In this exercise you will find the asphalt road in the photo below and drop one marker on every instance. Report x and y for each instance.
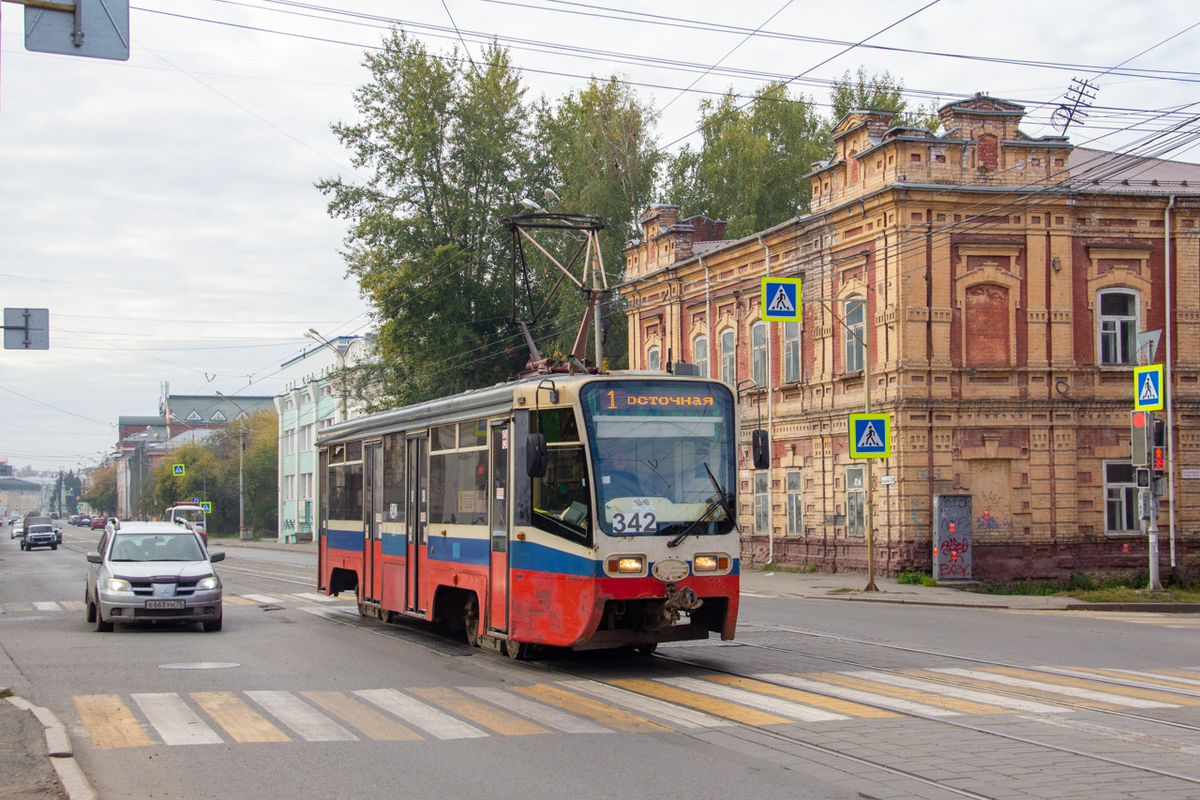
(299, 697)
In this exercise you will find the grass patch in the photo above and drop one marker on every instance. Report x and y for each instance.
(1124, 589)
(798, 569)
(916, 578)
(841, 590)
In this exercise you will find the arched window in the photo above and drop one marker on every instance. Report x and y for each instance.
(855, 334)
(700, 355)
(758, 354)
(1117, 326)
(654, 359)
(729, 358)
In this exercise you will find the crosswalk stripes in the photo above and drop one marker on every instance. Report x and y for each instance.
(304, 598)
(638, 705)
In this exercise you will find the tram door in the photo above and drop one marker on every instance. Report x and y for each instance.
(498, 516)
(372, 518)
(418, 522)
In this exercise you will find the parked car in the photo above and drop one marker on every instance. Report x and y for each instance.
(39, 534)
(152, 572)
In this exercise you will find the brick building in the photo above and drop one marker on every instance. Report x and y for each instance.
(994, 284)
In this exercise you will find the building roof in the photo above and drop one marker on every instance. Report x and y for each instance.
(1099, 170)
(209, 409)
(18, 485)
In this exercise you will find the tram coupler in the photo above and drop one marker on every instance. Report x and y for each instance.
(678, 600)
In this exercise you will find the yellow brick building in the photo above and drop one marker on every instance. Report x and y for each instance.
(990, 287)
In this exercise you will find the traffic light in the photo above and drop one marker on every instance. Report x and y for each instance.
(1141, 425)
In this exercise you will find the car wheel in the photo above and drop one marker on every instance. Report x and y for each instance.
(101, 625)
(54, 547)
(215, 625)
(89, 613)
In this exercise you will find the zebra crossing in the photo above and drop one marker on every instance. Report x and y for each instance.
(303, 598)
(630, 705)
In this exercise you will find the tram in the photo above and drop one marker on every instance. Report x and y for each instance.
(584, 511)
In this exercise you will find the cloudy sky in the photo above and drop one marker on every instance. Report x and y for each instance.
(163, 207)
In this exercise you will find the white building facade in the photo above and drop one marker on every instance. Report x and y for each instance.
(314, 398)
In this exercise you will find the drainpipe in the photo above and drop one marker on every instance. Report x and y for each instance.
(770, 421)
(707, 315)
(1167, 379)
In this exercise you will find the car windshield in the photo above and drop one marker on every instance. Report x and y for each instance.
(41, 528)
(663, 454)
(155, 547)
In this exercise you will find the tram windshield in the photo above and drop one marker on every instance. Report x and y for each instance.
(663, 456)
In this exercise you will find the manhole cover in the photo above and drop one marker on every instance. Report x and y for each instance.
(201, 665)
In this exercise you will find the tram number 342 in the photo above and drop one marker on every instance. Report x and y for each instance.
(638, 522)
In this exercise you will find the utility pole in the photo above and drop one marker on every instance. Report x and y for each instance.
(241, 469)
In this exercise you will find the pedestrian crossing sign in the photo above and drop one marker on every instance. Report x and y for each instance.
(870, 436)
(206, 507)
(781, 299)
(1148, 388)
(177, 469)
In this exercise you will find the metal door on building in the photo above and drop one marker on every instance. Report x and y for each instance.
(952, 515)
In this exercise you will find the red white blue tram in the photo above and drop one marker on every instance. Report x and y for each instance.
(584, 511)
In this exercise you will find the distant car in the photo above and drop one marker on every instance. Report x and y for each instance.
(84, 520)
(18, 529)
(39, 535)
(98, 523)
(152, 572)
(73, 519)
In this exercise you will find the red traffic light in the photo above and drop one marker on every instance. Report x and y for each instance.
(1158, 459)
(1139, 419)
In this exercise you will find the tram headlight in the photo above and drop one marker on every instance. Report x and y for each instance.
(627, 565)
(710, 563)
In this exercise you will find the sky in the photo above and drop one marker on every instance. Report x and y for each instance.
(163, 208)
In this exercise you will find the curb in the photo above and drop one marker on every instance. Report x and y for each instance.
(1159, 608)
(58, 745)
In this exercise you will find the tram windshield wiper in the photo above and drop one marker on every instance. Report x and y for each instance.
(720, 501)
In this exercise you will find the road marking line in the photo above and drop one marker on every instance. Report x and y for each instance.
(743, 697)
(239, 720)
(1125, 691)
(320, 598)
(366, 719)
(174, 720)
(701, 702)
(831, 703)
(437, 723)
(585, 706)
(551, 717)
(991, 686)
(310, 724)
(974, 695)
(72, 605)
(1043, 685)
(47, 605)
(869, 698)
(239, 601)
(1190, 687)
(853, 681)
(262, 599)
(18, 607)
(475, 711)
(676, 715)
(1191, 676)
(109, 721)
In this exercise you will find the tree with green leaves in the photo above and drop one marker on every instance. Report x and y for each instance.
(750, 167)
(101, 494)
(880, 92)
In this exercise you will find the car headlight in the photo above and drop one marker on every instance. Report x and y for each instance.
(119, 585)
(208, 584)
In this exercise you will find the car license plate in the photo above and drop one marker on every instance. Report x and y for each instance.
(164, 604)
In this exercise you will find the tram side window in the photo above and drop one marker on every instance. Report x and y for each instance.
(345, 486)
(393, 478)
(558, 424)
(458, 488)
(561, 500)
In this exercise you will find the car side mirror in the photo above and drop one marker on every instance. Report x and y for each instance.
(94, 558)
(761, 447)
(536, 457)
(215, 557)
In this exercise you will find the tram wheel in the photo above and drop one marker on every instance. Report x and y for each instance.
(517, 651)
(647, 649)
(471, 621)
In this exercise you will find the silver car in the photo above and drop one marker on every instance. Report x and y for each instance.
(152, 572)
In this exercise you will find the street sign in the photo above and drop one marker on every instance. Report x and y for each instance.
(177, 468)
(206, 507)
(195, 499)
(887, 480)
(1149, 339)
(93, 28)
(870, 435)
(781, 299)
(1148, 388)
(26, 329)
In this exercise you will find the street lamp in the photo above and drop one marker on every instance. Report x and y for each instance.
(311, 333)
(241, 469)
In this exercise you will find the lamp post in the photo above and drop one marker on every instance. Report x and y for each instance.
(311, 333)
(241, 469)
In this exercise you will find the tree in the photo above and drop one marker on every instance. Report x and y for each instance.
(880, 92)
(101, 496)
(446, 147)
(751, 165)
